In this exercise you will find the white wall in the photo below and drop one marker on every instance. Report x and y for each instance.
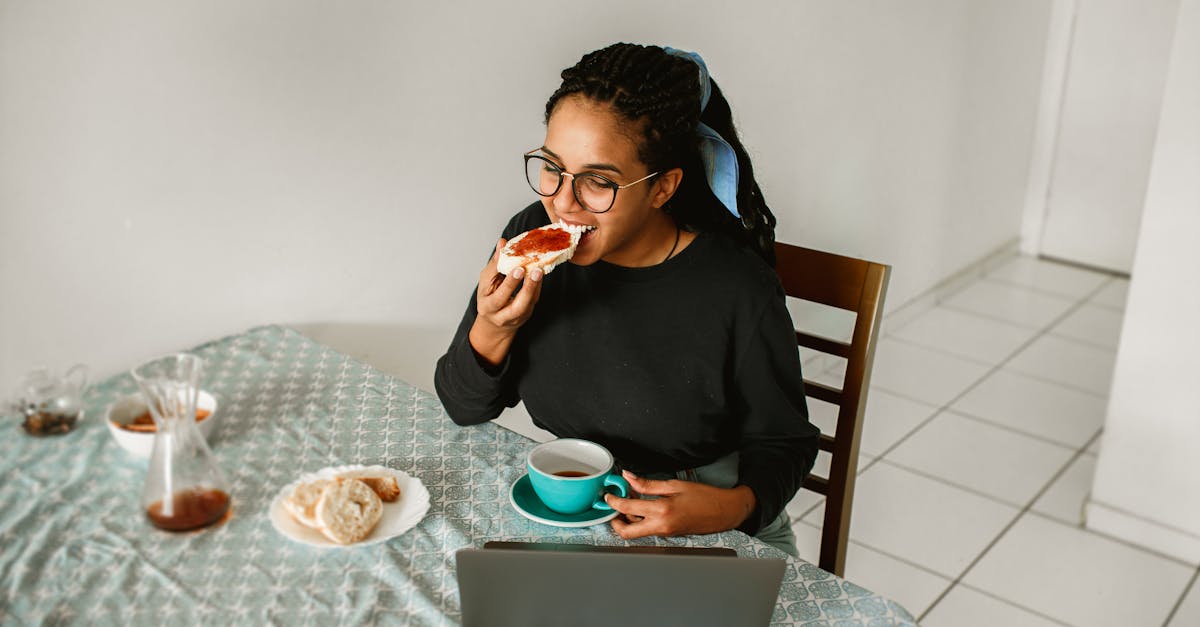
(174, 172)
(1147, 487)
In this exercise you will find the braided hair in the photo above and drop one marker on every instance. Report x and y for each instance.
(659, 92)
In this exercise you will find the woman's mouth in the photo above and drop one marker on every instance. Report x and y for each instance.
(586, 231)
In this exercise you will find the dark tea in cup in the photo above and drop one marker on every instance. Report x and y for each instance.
(572, 476)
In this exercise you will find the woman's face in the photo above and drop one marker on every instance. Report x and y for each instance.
(584, 136)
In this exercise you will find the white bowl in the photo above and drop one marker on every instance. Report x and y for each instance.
(141, 444)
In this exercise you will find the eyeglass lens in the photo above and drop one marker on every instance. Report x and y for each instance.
(594, 193)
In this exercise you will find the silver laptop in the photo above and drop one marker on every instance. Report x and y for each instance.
(532, 584)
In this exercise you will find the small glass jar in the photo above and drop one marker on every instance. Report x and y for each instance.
(50, 404)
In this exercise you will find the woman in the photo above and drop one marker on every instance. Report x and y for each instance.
(665, 338)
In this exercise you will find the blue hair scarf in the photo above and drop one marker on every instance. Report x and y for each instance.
(719, 159)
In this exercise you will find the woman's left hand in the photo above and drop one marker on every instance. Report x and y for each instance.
(682, 508)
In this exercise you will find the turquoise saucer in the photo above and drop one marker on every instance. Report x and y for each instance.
(527, 503)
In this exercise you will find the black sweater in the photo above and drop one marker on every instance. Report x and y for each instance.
(670, 367)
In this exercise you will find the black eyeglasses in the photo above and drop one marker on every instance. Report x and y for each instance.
(594, 192)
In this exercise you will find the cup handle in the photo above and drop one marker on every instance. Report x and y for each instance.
(622, 490)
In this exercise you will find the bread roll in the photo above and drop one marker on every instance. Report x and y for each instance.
(544, 248)
(302, 504)
(348, 510)
(385, 486)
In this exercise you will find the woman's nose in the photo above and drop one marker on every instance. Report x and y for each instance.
(564, 200)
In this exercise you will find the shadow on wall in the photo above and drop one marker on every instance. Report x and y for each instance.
(407, 352)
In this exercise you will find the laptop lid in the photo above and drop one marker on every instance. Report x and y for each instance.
(583, 585)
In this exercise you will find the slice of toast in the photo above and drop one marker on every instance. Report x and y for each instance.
(545, 247)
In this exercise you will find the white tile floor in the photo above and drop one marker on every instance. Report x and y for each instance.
(979, 445)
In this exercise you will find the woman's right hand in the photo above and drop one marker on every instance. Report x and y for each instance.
(503, 305)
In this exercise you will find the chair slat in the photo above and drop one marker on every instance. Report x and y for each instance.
(820, 485)
(823, 344)
(823, 392)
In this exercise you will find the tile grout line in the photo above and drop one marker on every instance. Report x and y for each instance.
(1089, 343)
(1041, 438)
(1067, 386)
(1028, 375)
(930, 571)
(1120, 309)
(1008, 358)
(1070, 310)
(996, 540)
(974, 272)
(965, 488)
(880, 551)
(1032, 327)
(1179, 603)
(1126, 543)
(993, 368)
(974, 360)
(994, 597)
(986, 316)
(1045, 291)
(975, 314)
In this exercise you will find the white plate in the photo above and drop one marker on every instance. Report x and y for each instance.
(398, 516)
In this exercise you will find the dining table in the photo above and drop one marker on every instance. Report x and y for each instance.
(76, 547)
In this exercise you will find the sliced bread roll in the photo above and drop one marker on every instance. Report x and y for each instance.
(544, 248)
(302, 504)
(348, 510)
(386, 487)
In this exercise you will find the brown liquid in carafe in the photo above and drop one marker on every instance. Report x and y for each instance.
(571, 473)
(192, 509)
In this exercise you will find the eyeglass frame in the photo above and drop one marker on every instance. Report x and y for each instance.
(611, 184)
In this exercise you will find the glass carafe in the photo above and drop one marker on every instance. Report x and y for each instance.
(184, 487)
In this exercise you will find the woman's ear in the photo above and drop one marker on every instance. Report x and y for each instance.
(665, 185)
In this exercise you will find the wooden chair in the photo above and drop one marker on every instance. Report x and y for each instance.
(853, 285)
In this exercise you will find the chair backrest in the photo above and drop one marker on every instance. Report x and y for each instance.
(853, 285)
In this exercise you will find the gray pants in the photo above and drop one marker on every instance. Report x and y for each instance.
(723, 473)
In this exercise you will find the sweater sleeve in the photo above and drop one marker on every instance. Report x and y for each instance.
(470, 392)
(779, 444)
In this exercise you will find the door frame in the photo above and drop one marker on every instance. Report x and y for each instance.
(1059, 34)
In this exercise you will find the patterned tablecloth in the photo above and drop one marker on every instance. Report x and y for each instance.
(75, 546)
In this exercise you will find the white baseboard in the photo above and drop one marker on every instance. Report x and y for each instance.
(951, 285)
(1141, 531)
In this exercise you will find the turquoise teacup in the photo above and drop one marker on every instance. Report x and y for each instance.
(571, 476)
